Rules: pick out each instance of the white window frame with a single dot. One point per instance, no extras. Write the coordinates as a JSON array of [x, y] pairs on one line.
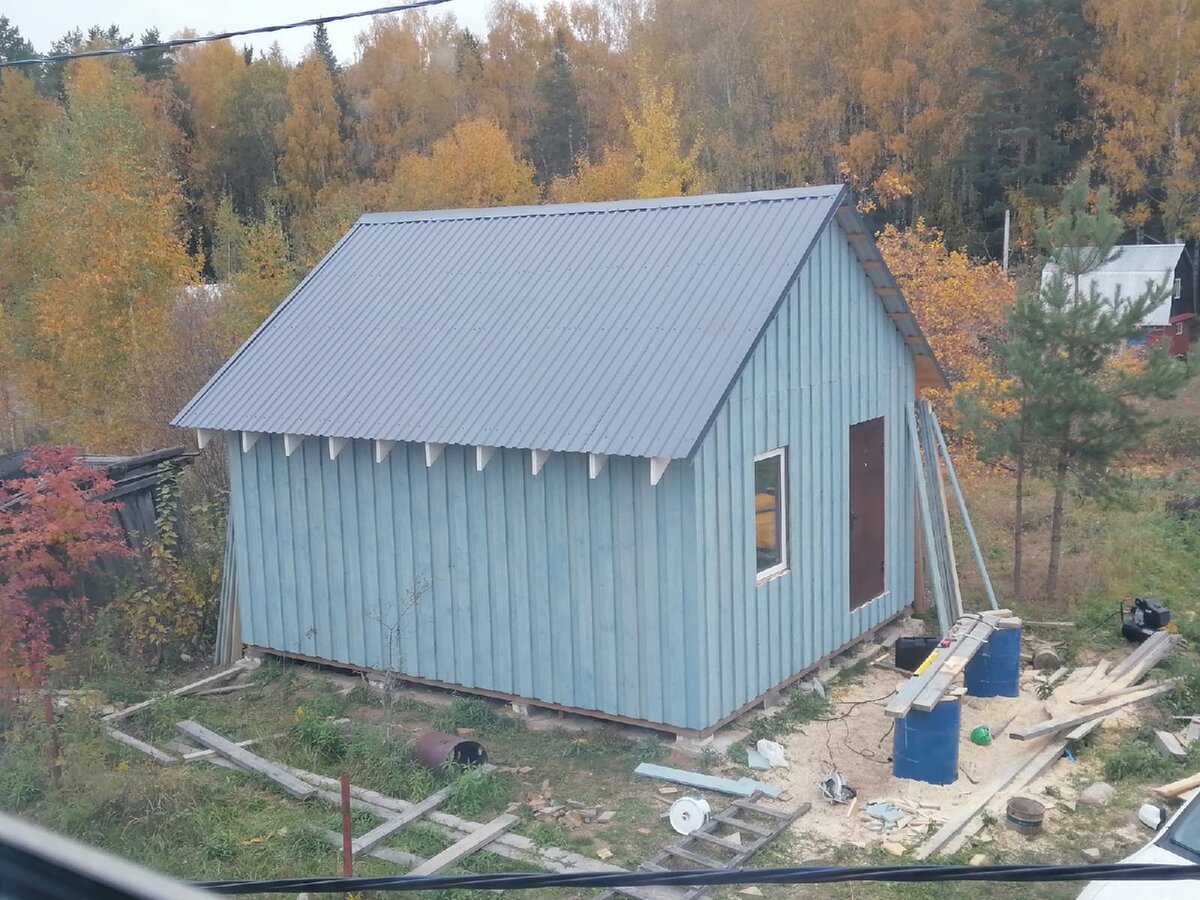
[[1179, 328], [781, 567]]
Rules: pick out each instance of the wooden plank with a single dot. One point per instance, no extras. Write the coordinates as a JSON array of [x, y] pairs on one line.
[[762, 810], [399, 857], [974, 805], [381, 833], [1064, 723], [467, 845], [727, 819], [163, 759], [1175, 788], [699, 858], [1168, 745], [743, 787], [1115, 694], [178, 692], [516, 847], [929, 687], [1138, 670], [246, 760], [1150, 645], [715, 840], [1037, 766]]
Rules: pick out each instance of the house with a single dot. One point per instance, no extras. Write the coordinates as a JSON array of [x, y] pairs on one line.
[[1136, 266], [645, 460]]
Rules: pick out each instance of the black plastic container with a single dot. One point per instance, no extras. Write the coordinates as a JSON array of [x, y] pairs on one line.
[[912, 651]]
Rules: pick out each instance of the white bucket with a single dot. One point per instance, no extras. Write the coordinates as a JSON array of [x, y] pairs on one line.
[[689, 813]]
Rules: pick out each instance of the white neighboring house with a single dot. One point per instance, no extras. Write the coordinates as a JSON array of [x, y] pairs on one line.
[[1127, 275]]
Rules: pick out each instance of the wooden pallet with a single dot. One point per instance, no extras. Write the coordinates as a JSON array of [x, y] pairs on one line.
[[755, 826]]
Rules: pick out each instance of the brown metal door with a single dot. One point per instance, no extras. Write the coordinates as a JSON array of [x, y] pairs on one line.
[[867, 521]]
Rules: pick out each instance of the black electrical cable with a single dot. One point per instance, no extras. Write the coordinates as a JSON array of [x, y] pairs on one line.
[[714, 877], [203, 39]]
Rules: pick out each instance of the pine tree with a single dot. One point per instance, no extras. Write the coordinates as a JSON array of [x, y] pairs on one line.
[[324, 49], [559, 135], [154, 65], [12, 45], [1077, 409], [1029, 132]]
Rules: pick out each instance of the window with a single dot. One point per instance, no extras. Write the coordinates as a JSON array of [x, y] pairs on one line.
[[770, 513], [1179, 328]]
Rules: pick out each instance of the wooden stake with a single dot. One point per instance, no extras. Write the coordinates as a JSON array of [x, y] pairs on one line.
[[347, 836], [53, 753]]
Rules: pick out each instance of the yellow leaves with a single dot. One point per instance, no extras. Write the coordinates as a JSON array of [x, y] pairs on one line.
[[663, 168], [613, 178], [473, 166], [959, 304], [309, 137]]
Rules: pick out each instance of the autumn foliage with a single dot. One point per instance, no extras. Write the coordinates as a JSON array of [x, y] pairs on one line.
[[960, 305], [53, 533]]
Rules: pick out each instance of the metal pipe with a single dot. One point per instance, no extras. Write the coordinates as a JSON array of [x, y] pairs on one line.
[[931, 551], [962, 508]]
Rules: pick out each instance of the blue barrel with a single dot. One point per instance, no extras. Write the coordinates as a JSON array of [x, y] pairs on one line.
[[995, 671], [926, 744]]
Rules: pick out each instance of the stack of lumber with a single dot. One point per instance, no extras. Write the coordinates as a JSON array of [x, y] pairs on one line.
[[1080, 703], [923, 692]]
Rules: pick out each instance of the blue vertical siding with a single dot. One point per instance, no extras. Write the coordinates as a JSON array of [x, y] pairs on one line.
[[554, 587], [829, 358], [609, 594]]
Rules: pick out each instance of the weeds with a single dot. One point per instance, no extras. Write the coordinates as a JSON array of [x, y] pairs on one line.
[[709, 758], [276, 671], [1135, 760], [319, 736], [738, 754], [477, 791], [362, 695], [22, 775], [802, 706], [470, 712]]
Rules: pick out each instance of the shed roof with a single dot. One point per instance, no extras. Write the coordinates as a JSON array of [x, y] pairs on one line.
[[1130, 271], [614, 328]]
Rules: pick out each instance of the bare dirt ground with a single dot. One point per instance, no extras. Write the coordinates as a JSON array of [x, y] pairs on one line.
[[856, 741]]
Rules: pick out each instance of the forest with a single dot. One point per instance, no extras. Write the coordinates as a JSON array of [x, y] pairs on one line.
[[127, 183]]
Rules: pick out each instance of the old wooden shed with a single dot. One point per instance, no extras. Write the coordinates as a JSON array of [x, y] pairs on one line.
[[644, 459]]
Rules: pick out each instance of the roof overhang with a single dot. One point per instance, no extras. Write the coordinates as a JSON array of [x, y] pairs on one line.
[[929, 372]]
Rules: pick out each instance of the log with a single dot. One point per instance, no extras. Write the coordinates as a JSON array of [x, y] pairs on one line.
[[472, 842], [244, 759], [1064, 723]]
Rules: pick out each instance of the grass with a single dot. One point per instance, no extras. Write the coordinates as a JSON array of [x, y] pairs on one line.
[[200, 822]]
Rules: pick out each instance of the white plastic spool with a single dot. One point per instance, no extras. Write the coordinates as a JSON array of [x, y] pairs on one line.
[[689, 813]]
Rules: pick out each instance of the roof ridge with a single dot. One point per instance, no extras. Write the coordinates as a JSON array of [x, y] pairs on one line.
[[633, 204]]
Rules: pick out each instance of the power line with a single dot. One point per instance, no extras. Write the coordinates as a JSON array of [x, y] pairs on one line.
[[183, 42], [710, 877]]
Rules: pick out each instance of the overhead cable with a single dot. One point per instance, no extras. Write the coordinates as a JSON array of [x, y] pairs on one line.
[[203, 39], [710, 877]]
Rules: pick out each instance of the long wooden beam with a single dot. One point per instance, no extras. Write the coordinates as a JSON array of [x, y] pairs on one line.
[[244, 759]]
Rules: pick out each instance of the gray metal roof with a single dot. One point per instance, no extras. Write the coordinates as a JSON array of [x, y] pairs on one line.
[[613, 328], [1126, 276]]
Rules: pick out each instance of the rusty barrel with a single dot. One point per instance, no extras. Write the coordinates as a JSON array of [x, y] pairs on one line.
[[437, 748]]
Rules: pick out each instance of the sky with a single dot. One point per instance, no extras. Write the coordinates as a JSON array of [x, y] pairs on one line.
[[45, 22]]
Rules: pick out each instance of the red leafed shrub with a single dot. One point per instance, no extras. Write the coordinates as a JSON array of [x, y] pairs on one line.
[[53, 532]]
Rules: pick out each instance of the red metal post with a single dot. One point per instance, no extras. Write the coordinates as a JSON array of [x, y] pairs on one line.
[[347, 837], [52, 750]]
